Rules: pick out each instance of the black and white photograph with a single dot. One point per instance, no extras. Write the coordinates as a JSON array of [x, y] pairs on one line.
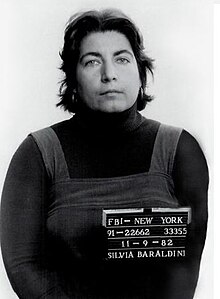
[[107, 153]]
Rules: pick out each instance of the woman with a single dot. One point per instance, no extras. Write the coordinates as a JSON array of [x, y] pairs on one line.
[[107, 156]]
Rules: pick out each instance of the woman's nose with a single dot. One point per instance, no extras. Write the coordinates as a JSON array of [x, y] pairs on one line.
[[108, 72]]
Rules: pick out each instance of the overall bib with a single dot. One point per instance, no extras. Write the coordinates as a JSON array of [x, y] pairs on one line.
[[76, 241]]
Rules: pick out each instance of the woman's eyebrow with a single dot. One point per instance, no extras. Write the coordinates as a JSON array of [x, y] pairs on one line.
[[96, 54], [124, 51]]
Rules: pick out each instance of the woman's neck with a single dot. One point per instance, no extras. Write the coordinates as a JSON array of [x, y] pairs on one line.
[[101, 122]]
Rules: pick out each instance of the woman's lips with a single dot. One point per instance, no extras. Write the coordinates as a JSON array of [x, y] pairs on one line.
[[110, 91]]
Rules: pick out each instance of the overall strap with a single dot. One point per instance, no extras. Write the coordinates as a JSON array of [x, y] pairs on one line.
[[164, 151], [52, 154]]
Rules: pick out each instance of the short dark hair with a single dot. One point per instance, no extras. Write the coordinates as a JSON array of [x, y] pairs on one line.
[[82, 24]]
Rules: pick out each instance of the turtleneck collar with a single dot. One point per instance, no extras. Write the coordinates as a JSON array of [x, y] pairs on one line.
[[100, 122]]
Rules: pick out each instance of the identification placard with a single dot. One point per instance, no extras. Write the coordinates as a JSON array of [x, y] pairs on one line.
[[146, 233]]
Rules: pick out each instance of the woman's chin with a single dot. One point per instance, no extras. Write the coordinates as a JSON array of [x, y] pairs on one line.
[[112, 107]]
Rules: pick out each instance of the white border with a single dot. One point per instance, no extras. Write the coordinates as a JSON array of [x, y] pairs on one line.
[[216, 147]]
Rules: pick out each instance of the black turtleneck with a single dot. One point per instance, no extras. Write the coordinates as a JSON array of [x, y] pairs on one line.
[[107, 144], [94, 145]]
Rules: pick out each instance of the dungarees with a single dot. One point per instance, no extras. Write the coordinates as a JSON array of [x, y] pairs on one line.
[[74, 218]]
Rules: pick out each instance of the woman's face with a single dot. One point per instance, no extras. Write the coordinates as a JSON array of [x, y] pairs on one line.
[[107, 73]]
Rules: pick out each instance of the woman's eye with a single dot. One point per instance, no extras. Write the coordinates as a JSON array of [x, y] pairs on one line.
[[123, 60], [92, 62]]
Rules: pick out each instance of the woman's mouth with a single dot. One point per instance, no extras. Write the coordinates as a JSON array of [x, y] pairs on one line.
[[110, 91]]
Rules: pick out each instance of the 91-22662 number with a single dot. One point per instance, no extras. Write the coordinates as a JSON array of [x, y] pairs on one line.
[[130, 232]]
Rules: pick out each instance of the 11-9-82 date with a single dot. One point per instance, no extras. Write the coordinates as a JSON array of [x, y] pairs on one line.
[[138, 232]]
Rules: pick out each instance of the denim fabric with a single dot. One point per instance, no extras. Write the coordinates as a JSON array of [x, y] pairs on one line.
[[74, 220]]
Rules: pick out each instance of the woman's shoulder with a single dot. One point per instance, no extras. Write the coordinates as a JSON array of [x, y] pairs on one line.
[[185, 147], [62, 125], [186, 141], [188, 147], [52, 132], [35, 139], [165, 135], [161, 126], [190, 162]]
